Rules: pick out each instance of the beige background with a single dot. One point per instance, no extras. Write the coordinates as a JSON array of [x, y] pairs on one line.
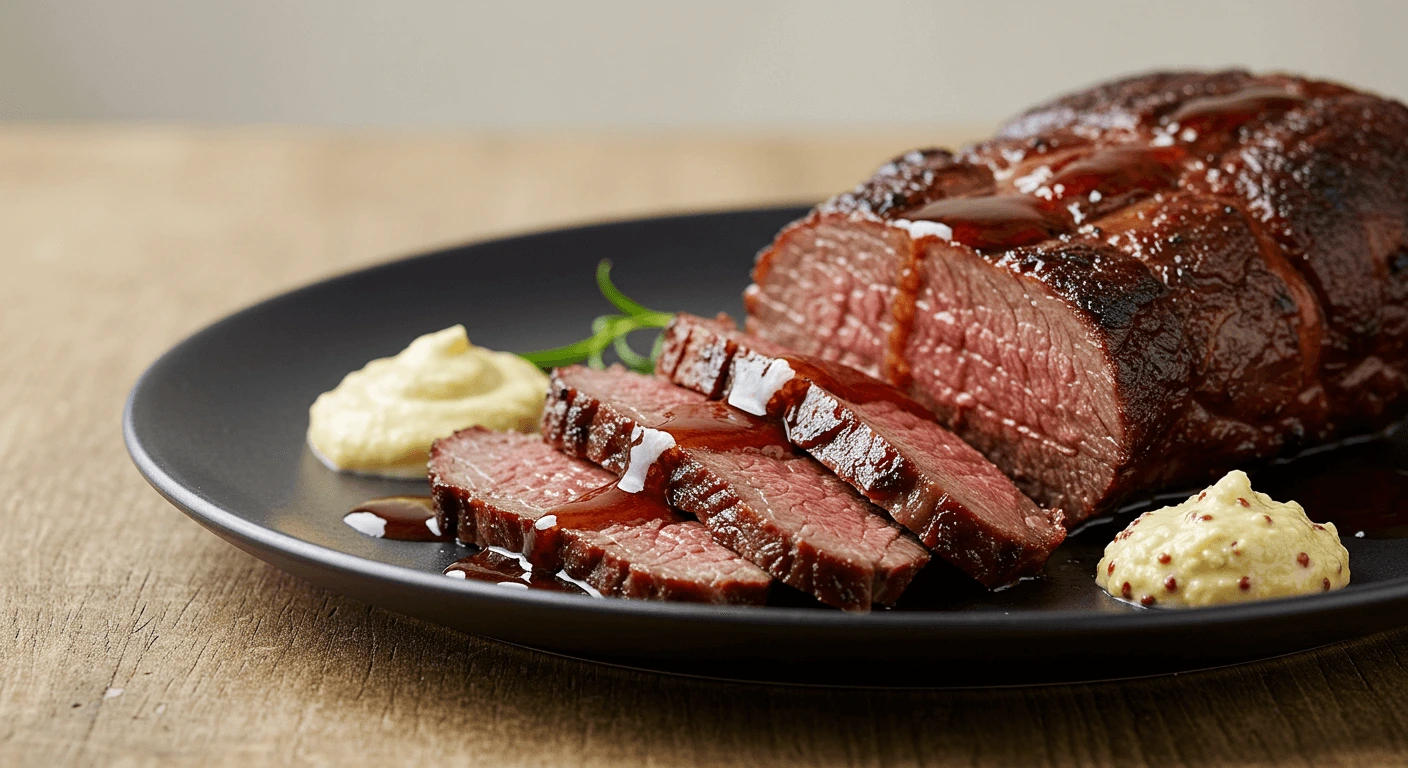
[[644, 64]]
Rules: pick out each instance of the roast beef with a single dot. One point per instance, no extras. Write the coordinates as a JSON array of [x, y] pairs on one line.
[[1134, 286], [876, 438], [491, 488], [738, 475]]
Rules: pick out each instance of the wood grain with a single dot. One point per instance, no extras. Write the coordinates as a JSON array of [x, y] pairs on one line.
[[129, 636]]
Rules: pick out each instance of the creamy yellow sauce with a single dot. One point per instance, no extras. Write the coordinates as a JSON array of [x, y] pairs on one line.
[[1227, 544], [382, 419]]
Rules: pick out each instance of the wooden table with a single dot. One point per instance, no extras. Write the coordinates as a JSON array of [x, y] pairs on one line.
[[130, 636]]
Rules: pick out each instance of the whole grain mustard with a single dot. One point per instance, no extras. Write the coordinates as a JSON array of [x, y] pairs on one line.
[[1226, 544]]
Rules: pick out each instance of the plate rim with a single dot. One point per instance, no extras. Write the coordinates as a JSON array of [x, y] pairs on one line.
[[1016, 623]]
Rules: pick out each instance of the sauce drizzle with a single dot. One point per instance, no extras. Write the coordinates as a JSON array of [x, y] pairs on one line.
[[847, 383], [710, 424], [499, 568], [1114, 174], [994, 221], [1117, 171], [595, 510], [1215, 114], [398, 518], [604, 507], [718, 426]]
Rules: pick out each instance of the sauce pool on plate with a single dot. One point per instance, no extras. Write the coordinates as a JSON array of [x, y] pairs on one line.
[[398, 518]]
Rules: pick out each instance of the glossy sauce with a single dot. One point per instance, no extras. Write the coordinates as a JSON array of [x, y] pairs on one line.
[[995, 221], [398, 518], [1218, 114], [1117, 174], [594, 511], [1010, 221], [710, 424], [849, 384], [998, 222], [1118, 171], [716, 425], [609, 505], [497, 568]]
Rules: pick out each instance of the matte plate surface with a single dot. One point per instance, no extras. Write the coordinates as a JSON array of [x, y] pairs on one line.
[[217, 426]]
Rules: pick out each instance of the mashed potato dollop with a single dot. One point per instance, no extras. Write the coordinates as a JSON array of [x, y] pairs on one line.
[[1227, 544], [382, 419]]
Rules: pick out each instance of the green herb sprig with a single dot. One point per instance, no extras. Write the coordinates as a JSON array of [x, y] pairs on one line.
[[609, 331]]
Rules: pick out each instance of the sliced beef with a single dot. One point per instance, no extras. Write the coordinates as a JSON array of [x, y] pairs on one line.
[[491, 488], [876, 438], [1134, 286], [739, 476]]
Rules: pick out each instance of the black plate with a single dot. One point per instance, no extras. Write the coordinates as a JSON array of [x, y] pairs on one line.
[[217, 425]]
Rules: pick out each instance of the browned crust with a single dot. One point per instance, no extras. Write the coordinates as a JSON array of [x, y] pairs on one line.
[[1319, 183]]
